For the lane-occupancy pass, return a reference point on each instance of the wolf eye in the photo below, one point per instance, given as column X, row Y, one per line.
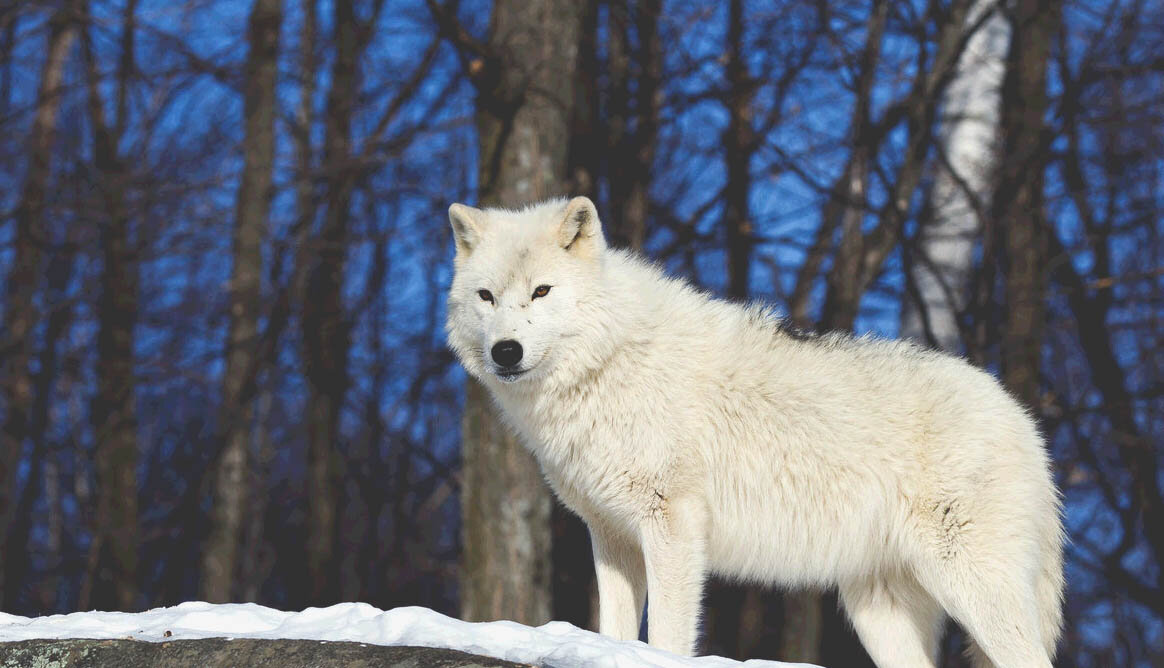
column 541, row 291
column 485, row 296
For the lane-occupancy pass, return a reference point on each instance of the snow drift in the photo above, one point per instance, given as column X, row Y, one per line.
column 556, row 644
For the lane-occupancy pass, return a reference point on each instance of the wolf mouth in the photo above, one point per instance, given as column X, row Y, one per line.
column 511, row 375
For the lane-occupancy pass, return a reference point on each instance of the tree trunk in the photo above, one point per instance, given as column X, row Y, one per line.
column 737, row 142
column 326, row 328
column 968, row 138
column 803, row 627
column 573, row 587
column 635, row 204
column 523, row 118
column 1018, row 200
column 630, row 147
column 221, row 552
column 586, row 135
column 113, row 559
column 19, row 560
column 8, row 17
column 845, row 209
column 20, row 313
column 114, row 412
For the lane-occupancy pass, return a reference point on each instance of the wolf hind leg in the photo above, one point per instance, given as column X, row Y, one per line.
column 899, row 624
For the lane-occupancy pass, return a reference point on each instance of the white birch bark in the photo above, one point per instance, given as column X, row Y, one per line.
column 968, row 137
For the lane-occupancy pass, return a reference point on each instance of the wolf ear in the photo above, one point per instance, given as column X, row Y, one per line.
column 467, row 226
column 580, row 232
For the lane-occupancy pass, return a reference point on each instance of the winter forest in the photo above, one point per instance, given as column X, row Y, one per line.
column 224, row 252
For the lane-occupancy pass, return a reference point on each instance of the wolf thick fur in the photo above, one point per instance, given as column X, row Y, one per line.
column 697, row 436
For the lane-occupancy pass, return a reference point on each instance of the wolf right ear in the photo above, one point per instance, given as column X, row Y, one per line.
column 467, row 226
column 580, row 231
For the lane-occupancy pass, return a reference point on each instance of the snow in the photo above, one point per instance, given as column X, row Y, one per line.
column 557, row 643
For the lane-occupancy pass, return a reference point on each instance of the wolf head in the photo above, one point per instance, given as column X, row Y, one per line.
column 518, row 280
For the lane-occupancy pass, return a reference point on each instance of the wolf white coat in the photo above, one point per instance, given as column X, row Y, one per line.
column 697, row 436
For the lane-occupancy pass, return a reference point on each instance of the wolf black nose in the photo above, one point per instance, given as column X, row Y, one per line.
column 507, row 352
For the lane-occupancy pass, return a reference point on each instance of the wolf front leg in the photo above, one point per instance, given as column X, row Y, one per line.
column 622, row 582
column 674, row 549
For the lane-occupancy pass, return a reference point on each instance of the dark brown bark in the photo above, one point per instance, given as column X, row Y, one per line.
column 20, row 312
column 326, row 330
column 634, row 93
column 803, row 628
column 18, row 563
column 750, row 631
column 573, row 585
column 737, row 142
column 114, row 552
column 304, row 120
column 586, row 137
column 8, row 17
column 220, row 559
column 522, row 115
column 618, row 114
column 649, row 95
column 1018, row 199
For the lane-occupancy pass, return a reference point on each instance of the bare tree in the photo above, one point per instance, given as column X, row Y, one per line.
column 634, row 103
column 1110, row 112
column 845, row 206
column 738, row 147
column 115, row 543
column 20, row 313
column 1018, row 195
column 325, row 324
column 522, row 113
column 220, row 559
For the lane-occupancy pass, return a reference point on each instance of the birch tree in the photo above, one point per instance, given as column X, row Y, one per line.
column 968, row 137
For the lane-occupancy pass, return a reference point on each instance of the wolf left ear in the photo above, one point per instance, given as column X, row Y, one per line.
column 580, row 231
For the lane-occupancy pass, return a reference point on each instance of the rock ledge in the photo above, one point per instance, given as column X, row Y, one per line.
column 227, row 653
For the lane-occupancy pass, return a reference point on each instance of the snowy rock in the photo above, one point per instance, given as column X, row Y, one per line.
column 554, row 645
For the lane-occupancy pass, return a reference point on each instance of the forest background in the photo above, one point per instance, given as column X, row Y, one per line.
column 224, row 254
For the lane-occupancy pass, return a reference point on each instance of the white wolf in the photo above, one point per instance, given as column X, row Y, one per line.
column 697, row 436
